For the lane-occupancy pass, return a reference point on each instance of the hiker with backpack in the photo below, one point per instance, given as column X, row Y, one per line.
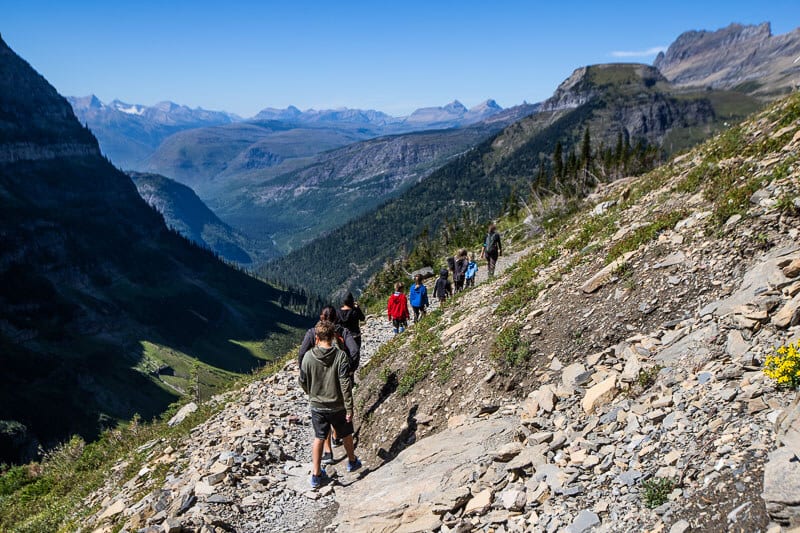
column 492, row 249
column 442, row 290
column 460, row 275
column 472, row 270
column 344, row 341
column 325, row 376
column 397, row 309
column 418, row 297
column 351, row 316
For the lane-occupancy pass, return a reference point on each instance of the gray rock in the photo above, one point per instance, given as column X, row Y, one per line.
column 782, row 486
column 585, row 521
column 182, row 413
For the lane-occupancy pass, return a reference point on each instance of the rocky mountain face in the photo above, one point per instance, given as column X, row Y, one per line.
column 97, row 296
column 129, row 133
column 633, row 100
column 184, row 212
column 610, row 378
column 748, row 58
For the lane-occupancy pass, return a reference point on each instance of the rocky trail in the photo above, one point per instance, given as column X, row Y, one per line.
column 635, row 399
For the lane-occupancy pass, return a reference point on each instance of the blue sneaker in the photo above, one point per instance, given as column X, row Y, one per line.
column 318, row 481
column 352, row 466
column 402, row 329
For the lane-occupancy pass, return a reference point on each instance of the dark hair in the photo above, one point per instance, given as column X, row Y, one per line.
column 443, row 272
column 418, row 279
column 349, row 301
column 329, row 314
column 324, row 330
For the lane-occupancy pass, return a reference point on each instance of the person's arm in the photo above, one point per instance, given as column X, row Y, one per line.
column 346, row 386
column 359, row 313
column 424, row 296
column 303, row 379
column 499, row 245
column 306, row 345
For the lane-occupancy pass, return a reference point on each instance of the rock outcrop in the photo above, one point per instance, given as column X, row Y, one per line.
column 733, row 56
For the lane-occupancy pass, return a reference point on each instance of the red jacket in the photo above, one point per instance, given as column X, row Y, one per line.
column 397, row 306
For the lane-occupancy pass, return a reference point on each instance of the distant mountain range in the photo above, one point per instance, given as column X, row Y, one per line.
column 129, row 133
column 97, row 295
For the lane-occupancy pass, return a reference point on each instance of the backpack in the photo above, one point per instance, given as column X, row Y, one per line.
column 491, row 242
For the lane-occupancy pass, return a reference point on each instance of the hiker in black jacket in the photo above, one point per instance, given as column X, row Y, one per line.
column 351, row 316
column 442, row 290
column 492, row 249
column 461, row 270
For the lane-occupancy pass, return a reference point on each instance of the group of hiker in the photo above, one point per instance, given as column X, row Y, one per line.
column 330, row 352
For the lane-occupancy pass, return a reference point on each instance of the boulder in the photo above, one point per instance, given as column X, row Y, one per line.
column 182, row 413
column 425, row 272
column 789, row 314
column 585, row 521
column 604, row 275
column 632, row 366
column 792, row 270
column 600, row 394
column 480, row 503
column 782, row 487
column 787, row 427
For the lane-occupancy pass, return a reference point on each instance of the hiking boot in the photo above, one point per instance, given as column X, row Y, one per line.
column 336, row 442
column 352, row 466
column 327, row 458
column 318, row 481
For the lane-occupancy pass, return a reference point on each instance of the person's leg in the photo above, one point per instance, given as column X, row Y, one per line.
column 327, row 442
column 349, row 448
column 316, row 456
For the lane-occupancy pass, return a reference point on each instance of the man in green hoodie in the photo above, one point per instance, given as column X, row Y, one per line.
column 325, row 376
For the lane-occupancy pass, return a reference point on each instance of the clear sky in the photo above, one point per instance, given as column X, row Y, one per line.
column 242, row 56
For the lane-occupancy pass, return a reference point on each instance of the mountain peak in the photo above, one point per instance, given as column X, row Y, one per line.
column 455, row 107
column 488, row 104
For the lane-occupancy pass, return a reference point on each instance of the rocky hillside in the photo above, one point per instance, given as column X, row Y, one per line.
column 104, row 312
column 610, row 379
column 748, row 58
column 184, row 212
column 633, row 101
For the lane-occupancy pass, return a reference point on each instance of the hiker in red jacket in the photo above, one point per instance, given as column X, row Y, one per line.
column 397, row 308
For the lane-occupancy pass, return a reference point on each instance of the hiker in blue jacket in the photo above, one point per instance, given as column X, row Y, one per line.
column 418, row 297
column 472, row 270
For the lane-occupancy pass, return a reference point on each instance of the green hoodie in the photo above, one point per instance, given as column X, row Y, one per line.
column 325, row 376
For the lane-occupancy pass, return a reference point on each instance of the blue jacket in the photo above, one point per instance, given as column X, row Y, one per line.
column 418, row 297
column 472, row 268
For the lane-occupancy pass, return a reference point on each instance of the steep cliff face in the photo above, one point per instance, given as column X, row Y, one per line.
column 95, row 292
column 733, row 56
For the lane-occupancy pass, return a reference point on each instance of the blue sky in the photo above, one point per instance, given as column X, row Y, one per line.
column 391, row 56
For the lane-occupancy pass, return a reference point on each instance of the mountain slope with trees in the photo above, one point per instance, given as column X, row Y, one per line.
column 633, row 117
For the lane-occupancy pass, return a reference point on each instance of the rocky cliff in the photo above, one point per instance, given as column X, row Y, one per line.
column 746, row 57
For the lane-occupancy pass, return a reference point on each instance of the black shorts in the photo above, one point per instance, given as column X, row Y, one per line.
column 322, row 421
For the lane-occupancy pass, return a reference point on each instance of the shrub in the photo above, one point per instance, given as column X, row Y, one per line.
column 509, row 347
column 656, row 491
column 784, row 366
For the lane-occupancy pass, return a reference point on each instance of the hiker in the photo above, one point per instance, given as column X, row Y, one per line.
column 397, row 309
column 492, row 249
column 343, row 336
column 461, row 270
column 451, row 265
column 418, row 297
column 472, row 270
column 345, row 341
column 325, row 376
column 351, row 316
column 442, row 290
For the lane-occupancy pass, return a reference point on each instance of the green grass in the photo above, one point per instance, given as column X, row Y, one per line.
column 509, row 348
column 644, row 234
column 426, row 347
